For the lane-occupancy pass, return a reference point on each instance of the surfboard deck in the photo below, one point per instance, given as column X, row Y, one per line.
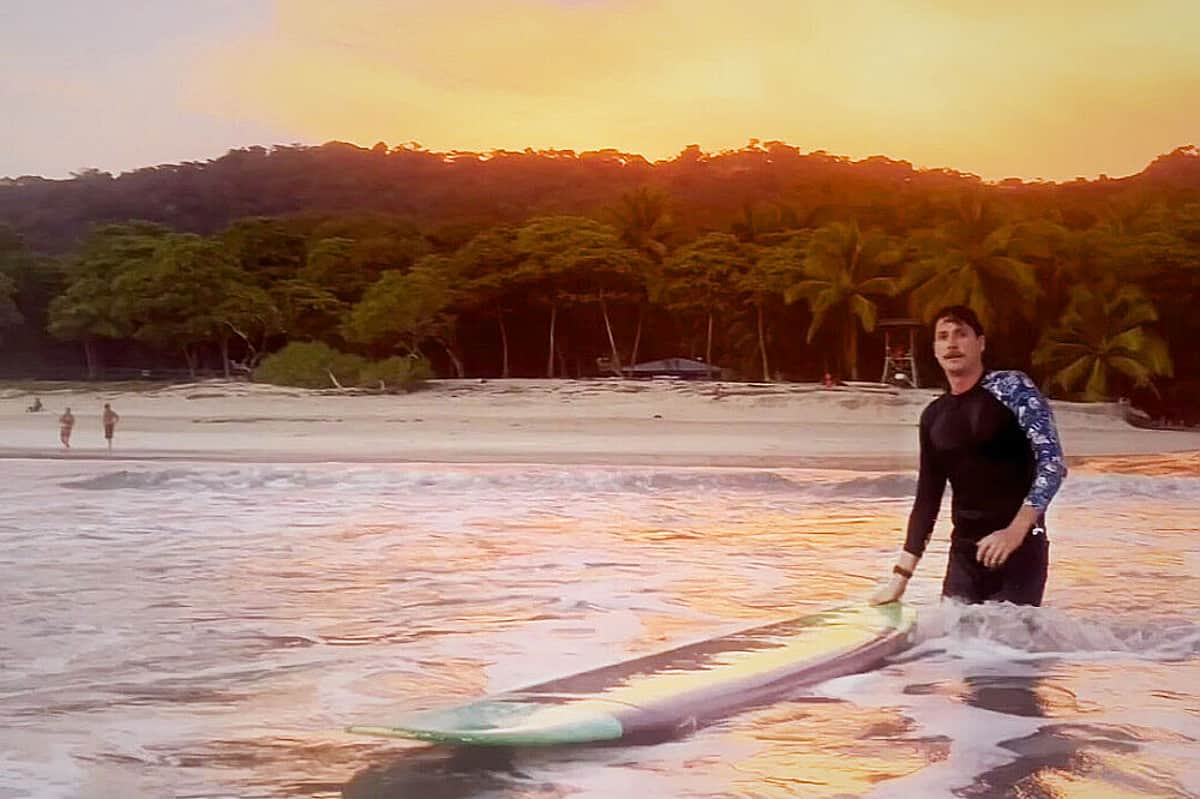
column 671, row 692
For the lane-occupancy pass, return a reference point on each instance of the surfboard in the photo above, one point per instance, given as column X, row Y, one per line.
column 670, row 693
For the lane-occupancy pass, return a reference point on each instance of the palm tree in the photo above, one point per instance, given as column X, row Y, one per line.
column 765, row 224
column 843, row 269
column 978, row 259
column 1080, row 257
column 1102, row 340
column 643, row 221
column 772, row 270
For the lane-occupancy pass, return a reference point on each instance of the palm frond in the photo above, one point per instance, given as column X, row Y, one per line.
column 1097, row 385
column 1134, row 369
column 818, row 322
column 805, row 289
column 865, row 310
column 886, row 286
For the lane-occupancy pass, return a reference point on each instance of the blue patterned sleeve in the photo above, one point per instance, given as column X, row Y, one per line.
column 1020, row 395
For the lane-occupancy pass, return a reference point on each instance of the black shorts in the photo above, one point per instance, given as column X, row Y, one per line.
column 1021, row 580
column 108, row 430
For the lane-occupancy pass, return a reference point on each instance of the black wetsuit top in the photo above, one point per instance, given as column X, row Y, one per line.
column 997, row 445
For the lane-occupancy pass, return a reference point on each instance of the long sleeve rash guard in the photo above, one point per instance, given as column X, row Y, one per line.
column 997, row 445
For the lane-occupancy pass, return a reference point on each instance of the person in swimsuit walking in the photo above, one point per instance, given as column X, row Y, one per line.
column 110, row 419
column 66, row 423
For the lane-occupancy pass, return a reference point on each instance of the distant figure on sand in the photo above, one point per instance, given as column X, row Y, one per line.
column 66, row 423
column 110, row 419
column 36, row 406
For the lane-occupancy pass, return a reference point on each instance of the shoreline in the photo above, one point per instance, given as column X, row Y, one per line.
column 1171, row 463
column 847, row 463
column 546, row 422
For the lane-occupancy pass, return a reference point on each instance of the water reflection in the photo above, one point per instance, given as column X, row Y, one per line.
column 448, row 773
column 1079, row 761
column 211, row 630
column 823, row 749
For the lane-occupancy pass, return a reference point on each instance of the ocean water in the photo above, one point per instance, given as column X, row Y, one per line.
column 182, row 630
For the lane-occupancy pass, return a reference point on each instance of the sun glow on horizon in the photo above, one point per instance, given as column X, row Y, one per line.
column 1083, row 91
column 1024, row 90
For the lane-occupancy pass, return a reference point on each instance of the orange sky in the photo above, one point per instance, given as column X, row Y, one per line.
column 999, row 89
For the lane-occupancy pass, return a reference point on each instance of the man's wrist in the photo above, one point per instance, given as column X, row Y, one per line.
column 901, row 572
column 1019, row 530
column 1026, row 519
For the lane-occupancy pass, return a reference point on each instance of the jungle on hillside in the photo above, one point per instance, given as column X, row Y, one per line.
column 387, row 265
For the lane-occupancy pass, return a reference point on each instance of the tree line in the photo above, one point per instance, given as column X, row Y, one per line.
column 773, row 264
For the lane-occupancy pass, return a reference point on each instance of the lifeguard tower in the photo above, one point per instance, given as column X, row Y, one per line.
column 900, row 352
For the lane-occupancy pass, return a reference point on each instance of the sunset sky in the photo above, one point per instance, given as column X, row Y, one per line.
column 1024, row 88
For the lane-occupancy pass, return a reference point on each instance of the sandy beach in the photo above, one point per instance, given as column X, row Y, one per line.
column 526, row 421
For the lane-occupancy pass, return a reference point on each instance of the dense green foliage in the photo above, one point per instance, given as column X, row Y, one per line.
column 768, row 262
column 395, row 374
column 310, row 364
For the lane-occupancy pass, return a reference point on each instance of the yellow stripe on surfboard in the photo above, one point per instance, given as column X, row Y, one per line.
column 853, row 627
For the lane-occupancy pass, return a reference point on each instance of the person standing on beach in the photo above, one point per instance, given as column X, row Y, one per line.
column 993, row 437
column 66, row 423
column 110, row 419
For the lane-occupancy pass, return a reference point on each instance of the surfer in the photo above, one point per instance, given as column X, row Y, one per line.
column 992, row 435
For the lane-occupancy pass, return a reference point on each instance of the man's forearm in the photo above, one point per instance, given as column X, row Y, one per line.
column 1026, row 518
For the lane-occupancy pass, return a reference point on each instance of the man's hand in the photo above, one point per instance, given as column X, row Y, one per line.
column 993, row 550
column 890, row 591
column 893, row 589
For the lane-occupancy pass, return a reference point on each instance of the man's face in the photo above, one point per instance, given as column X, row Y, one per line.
column 957, row 348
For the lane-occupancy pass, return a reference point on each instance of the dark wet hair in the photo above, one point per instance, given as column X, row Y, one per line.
column 957, row 313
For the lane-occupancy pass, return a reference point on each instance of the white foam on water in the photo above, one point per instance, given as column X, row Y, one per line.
column 166, row 609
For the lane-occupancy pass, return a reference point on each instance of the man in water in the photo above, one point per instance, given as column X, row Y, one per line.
column 66, row 423
column 992, row 435
column 110, row 419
